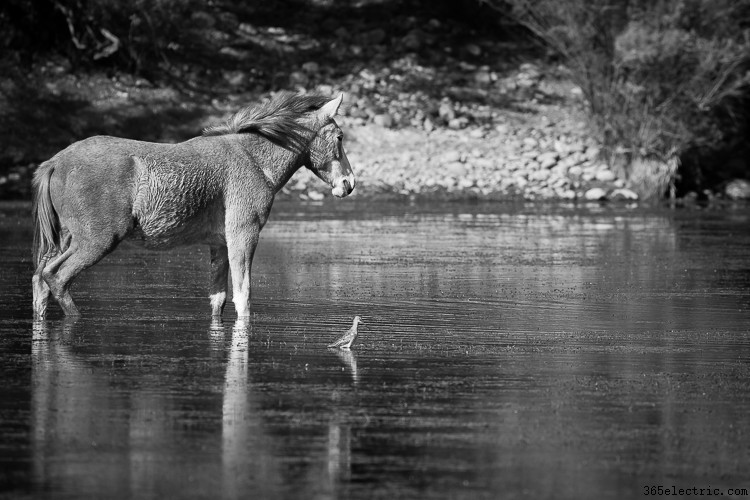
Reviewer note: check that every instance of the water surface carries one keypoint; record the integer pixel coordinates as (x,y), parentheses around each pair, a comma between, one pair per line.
(507,351)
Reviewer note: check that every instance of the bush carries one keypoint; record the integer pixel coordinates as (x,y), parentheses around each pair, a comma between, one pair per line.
(659,77)
(136,35)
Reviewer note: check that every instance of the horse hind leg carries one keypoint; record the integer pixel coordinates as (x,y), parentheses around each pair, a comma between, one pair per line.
(60,273)
(39,286)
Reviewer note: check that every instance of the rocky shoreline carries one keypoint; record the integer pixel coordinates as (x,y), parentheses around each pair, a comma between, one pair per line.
(508,161)
(536,149)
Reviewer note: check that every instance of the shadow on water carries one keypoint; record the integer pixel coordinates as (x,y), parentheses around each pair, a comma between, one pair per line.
(504,352)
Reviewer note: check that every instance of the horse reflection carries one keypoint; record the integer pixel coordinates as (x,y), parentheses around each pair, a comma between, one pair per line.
(114,421)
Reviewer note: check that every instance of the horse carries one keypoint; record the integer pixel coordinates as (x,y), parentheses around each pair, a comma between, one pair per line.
(215,189)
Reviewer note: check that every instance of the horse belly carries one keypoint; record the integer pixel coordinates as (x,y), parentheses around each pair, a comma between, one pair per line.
(169,229)
(176,206)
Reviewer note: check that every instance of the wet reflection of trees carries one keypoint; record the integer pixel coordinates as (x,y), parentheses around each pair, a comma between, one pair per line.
(496,259)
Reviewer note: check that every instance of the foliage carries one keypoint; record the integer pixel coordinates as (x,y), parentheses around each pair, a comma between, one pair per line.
(659,77)
(131,34)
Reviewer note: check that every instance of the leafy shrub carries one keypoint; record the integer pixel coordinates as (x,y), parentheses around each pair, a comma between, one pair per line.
(659,77)
(131,34)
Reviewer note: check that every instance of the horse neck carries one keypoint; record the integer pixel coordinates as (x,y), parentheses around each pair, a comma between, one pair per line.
(278,163)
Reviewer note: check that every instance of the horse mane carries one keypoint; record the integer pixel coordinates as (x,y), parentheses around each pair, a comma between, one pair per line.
(277,120)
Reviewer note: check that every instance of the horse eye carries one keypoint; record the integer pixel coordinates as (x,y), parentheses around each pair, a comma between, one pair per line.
(340,138)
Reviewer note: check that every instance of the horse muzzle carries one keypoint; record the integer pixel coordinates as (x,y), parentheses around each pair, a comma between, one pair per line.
(343,186)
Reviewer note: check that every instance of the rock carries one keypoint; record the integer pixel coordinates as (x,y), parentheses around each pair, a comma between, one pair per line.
(311,67)
(428,125)
(315,195)
(568,194)
(595,194)
(446,111)
(592,153)
(560,147)
(235,78)
(384,120)
(450,157)
(532,165)
(458,123)
(530,142)
(483,77)
(455,169)
(464,183)
(502,128)
(374,37)
(247,29)
(473,49)
(477,133)
(623,194)
(234,53)
(738,189)
(484,163)
(203,19)
(539,175)
(412,41)
(341,32)
(298,78)
(605,176)
(547,160)
(520,182)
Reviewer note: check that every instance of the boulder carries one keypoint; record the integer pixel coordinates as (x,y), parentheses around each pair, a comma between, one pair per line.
(455,169)
(595,194)
(383,119)
(311,67)
(624,194)
(446,111)
(315,195)
(451,156)
(548,159)
(298,78)
(458,123)
(605,175)
(374,37)
(738,189)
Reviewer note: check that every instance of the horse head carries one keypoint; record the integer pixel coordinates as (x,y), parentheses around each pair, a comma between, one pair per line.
(327,157)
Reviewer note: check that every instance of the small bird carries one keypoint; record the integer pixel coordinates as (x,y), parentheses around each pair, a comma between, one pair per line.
(347,339)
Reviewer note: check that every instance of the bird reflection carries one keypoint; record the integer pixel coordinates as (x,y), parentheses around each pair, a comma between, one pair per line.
(350,361)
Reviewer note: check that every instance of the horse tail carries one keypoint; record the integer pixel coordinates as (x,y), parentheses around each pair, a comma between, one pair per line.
(46,220)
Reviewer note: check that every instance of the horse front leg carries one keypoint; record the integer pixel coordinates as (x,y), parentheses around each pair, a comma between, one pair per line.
(241,248)
(219,276)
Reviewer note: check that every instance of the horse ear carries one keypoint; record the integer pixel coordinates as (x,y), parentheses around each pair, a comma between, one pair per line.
(330,108)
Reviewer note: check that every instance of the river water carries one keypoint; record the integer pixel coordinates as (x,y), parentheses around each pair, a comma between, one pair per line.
(507,351)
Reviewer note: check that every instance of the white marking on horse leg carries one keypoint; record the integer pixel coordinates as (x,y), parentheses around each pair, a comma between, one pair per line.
(217,303)
(241,248)
(241,296)
(219,278)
